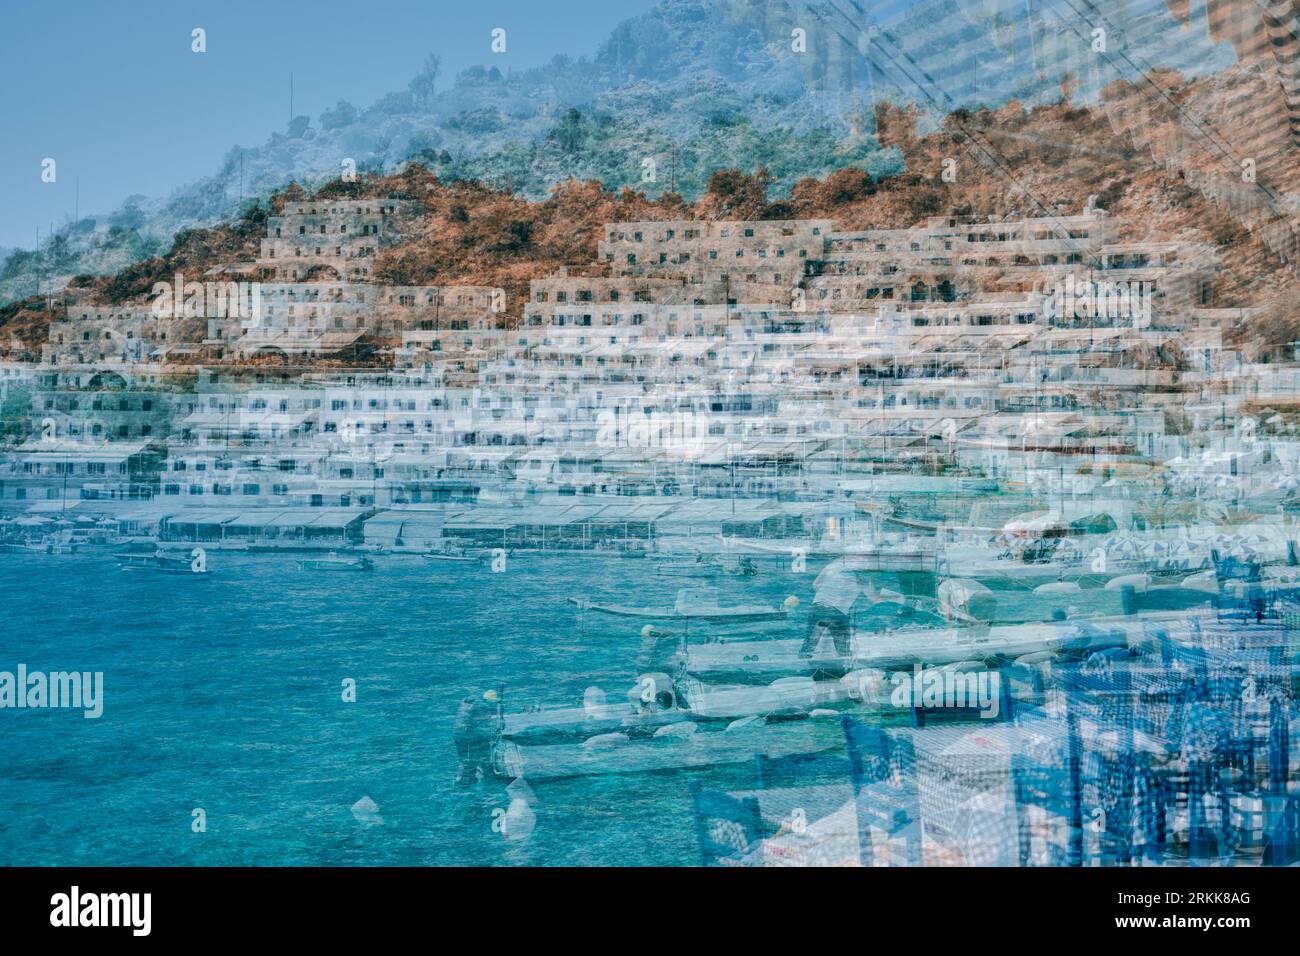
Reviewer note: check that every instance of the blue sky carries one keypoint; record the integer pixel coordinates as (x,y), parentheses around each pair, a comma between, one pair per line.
(112,91)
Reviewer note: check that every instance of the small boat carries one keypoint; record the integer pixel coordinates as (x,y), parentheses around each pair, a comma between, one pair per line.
(161,563)
(707,566)
(657,701)
(681,746)
(899,550)
(450,556)
(697,604)
(928,646)
(699,568)
(13,548)
(335,563)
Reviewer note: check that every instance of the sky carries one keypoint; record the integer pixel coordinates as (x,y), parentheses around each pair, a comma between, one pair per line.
(113,93)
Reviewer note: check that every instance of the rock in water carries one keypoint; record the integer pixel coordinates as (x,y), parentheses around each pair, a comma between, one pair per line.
(683,729)
(519,821)
(593,703)
(367,811)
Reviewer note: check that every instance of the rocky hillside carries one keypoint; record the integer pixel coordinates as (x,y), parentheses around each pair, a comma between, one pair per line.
(692,86)
(1013,161)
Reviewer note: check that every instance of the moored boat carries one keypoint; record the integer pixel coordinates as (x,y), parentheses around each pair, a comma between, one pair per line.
(335,563)
(160,562)
(693,607)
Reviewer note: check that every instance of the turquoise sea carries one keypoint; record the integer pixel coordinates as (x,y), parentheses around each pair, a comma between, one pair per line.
(225,694)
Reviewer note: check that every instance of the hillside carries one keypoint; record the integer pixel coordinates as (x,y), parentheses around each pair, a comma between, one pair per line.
(476,233)
(693,85)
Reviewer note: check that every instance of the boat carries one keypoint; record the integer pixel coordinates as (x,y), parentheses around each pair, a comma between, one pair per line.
(656,701)
(693,604)
(161,563)
(884,553)
(450,556)
(678,746)
(699,568)
(335,563)
(928,646)
(707,566)
(10,547)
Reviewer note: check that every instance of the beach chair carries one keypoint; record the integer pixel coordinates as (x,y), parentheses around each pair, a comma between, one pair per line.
(1045,785)
(1118,794)
(729,830)
(884,793)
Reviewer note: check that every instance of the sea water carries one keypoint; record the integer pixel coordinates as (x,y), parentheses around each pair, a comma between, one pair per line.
(225,694)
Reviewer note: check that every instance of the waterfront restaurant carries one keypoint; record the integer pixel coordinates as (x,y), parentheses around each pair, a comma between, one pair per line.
(269,528)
